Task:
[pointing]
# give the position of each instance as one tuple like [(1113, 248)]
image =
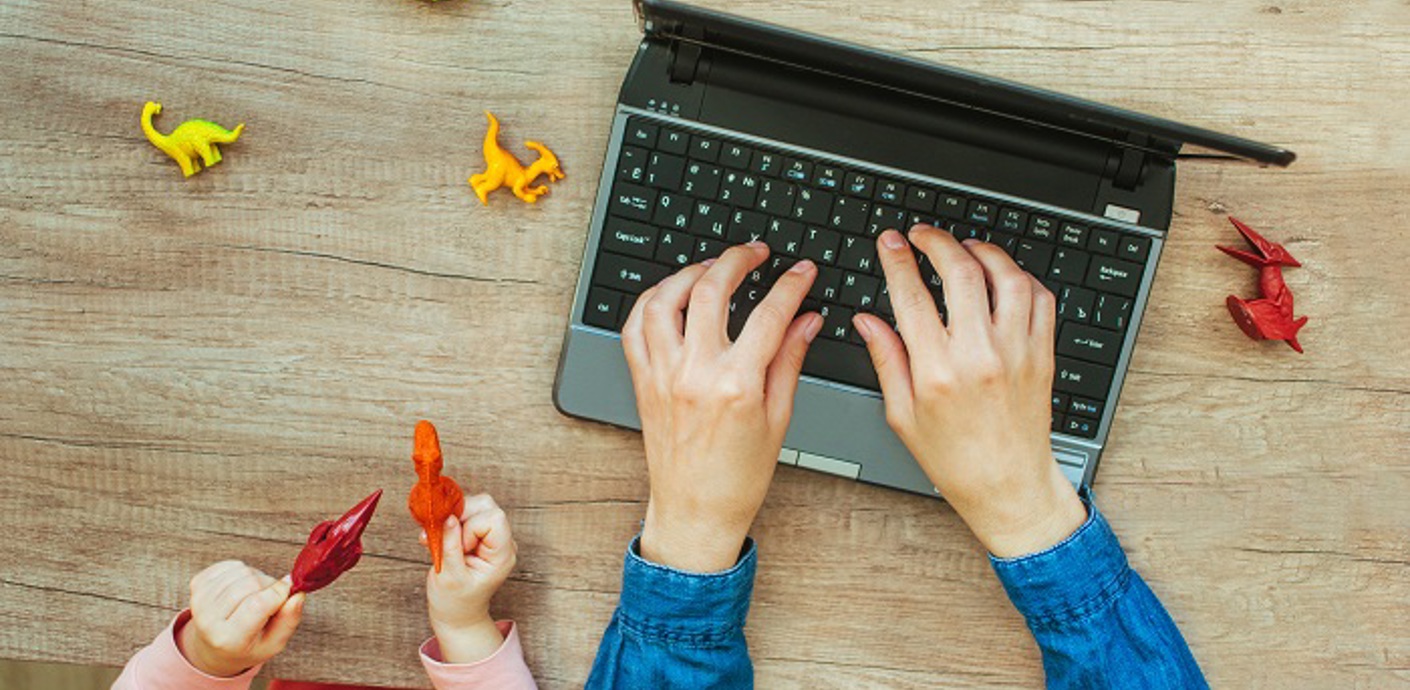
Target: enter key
[(1087, 343)]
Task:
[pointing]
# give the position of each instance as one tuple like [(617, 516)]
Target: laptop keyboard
[(680, 197)]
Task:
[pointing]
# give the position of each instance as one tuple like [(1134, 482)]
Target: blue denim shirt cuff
[(1071, 580), (675, 606)]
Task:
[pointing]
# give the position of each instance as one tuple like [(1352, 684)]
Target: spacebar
[(841, 362)]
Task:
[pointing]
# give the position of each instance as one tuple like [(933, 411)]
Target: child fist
[(478, 555), (240, 618)]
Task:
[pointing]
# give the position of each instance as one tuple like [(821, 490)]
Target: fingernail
[(970, 242), (814, 325), (708, 262), (918, 227), (862, 326), (756, 244), (801, 267), (451, 521), (893, 240)]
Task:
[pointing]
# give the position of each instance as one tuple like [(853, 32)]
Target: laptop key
[(1012, 220), (704, 149), (1086, 342), (920, 199), (811, 206), (632, 201), (859, 291), (747, 226), (885, 218), (1042, 228), (631, 166), (797, 170), (826, 284), (1075, 304), (981, 212), (1068, 265), (706, 248), (710, 220), (858, 254), (820, 245), (860, 184), (776, 197), (1133, 248), (629, 237), (952, 206), (766, 163), (1112, 312), (1103, 241), (1059, 402), (842, 362), (849, 215), (665, 171), (1081, 378), (785, 236), (1079, 426), (1033, 256), (1114, 275), (1085, 407), (890, 191), (828, 177), (603, 309), (672, 211), (674, 248), (1072, 235), (735, 156), (837, 322), (641, 133), (624, 273), (673, 141), (701, 180), (739, 189)]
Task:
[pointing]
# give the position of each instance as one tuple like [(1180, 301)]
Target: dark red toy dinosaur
[(1271, 316), (333, 548)]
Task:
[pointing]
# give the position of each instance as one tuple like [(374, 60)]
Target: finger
[(1010, 287), (966, 296), (209, 582), (916, 313), (709, 300), (764, 330), (781, 379), (634, 337), (214, 570), (483, 503), (282, 626), (892, 363), (491, 528), (452, 553), (1043, 322), (256, 609), (233, 588), (663, 322)]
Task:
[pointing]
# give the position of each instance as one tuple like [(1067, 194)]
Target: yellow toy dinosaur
[(191, 139), (504, 170)]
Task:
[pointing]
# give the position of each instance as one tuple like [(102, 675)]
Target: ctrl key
[(604, 308)]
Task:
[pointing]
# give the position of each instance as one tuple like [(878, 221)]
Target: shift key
[(1081, 378), (629, 275)]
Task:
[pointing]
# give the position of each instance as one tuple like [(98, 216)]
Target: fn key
[(604, 308)]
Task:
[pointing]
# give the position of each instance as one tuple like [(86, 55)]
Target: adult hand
[(240, 618), (713, 412), (479, 554), (971, 399)]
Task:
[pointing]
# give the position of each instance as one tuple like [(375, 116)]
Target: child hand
[(478, 557), (240, 618)]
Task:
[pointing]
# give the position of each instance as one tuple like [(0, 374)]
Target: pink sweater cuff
[(160, 666), (503, 670)]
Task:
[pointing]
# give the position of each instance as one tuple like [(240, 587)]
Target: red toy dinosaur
[(333, 548), (1271, 316), (433, 498)]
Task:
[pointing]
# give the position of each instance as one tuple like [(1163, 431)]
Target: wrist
[(201, 657), (1037, 520), (698, 545), (468, 643)]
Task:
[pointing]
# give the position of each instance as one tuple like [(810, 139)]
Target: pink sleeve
[(503, 670), (160, 666)]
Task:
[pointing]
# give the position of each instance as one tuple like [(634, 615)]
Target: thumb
[(254, 612), (282, 626), (452, 551), (891, 360), (781, 380)]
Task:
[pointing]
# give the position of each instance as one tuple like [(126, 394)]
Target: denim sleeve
[(675, 629), (1096, 621)]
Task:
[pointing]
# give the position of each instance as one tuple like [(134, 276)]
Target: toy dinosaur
[(333, 548), (191, 139), (1271, 316), (434, 498), (504, 170)]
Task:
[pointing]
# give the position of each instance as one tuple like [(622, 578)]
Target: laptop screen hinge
[(1131, 161), (685, 55)]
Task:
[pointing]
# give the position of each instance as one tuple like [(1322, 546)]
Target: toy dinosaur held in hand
[(1271, 316), (504, 170), (434, 498), (191, 139), (333, 547)]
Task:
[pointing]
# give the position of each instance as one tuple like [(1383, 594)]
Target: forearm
[(675, 629), (1095, 620), (160, 666), (503, 669)]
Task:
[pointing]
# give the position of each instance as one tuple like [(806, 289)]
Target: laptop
[(729, 130)]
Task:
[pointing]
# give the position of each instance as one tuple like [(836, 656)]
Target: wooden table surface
[(193, 370)]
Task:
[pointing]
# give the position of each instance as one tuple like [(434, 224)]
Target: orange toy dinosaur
[(504, 170), (433, 498)]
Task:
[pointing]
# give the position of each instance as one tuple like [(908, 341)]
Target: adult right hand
[(971, 399), (240, 618), (713, 412)]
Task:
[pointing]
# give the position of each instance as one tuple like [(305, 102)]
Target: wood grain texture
[(193, 370)]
